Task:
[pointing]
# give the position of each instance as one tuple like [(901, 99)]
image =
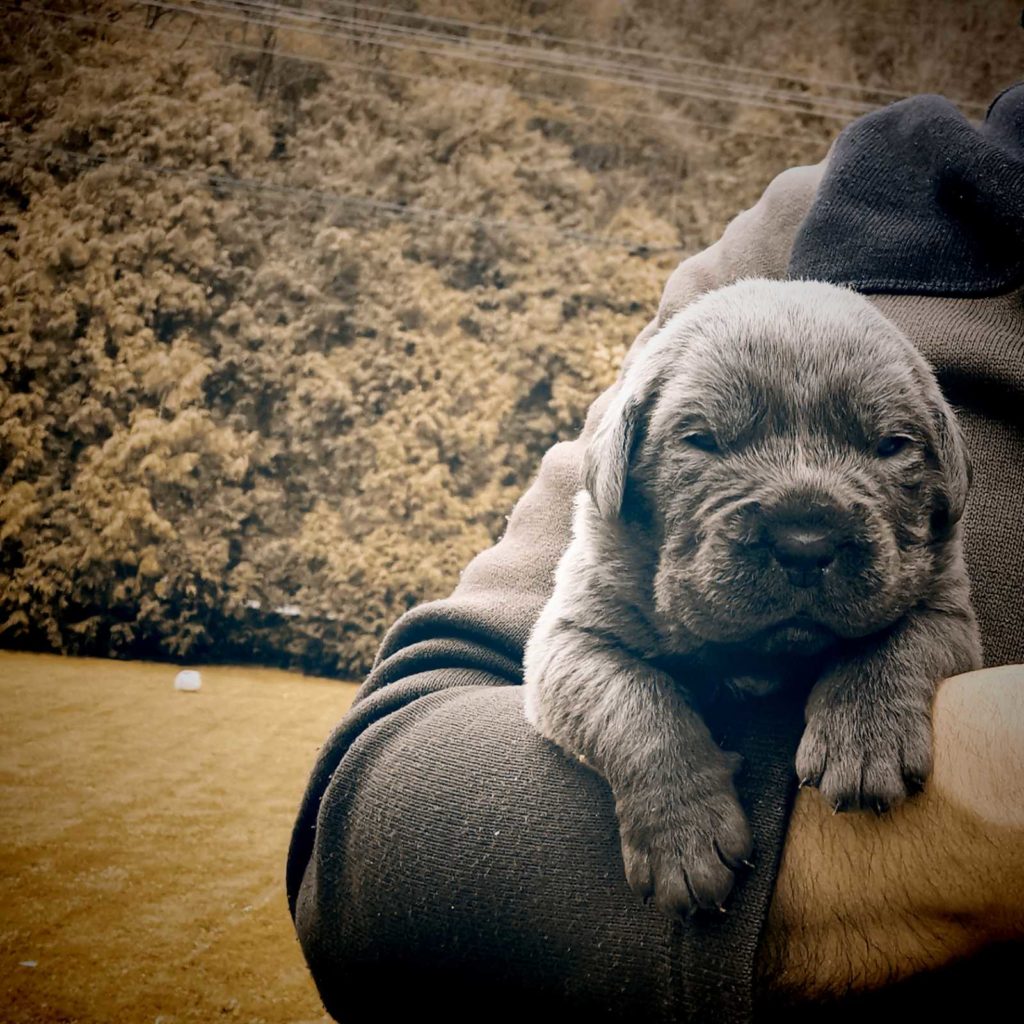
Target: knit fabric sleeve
[(444, 850)]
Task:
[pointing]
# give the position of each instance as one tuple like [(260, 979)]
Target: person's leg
[(864, 901)]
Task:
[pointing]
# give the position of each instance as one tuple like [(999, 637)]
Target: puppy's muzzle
[(804, 538)]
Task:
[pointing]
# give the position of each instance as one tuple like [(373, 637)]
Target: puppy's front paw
[(865, 757), (683, 855)]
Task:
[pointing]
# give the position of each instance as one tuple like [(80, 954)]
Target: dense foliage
[(240, 423)]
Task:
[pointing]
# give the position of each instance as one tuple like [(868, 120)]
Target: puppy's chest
[(714, 672)]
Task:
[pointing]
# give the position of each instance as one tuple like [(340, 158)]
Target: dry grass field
[(145, 830)]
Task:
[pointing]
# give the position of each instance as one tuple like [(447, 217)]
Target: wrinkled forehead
[(824, 367)]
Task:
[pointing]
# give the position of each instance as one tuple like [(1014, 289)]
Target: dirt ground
[(144, 839)]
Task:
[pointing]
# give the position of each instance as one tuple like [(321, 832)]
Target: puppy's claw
[(914, 782), (747, 863), (694, 905)]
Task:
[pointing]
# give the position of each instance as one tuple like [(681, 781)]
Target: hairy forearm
[(863, 900)]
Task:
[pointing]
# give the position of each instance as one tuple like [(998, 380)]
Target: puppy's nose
[(802, 548)]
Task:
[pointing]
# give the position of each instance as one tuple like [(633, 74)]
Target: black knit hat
[(919, 200)]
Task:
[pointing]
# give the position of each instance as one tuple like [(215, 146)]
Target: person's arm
[(443, 852)]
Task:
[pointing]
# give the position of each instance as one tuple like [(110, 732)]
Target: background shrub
[(244, 416)]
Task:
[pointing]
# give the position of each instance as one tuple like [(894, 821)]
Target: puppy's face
[(790, 456)]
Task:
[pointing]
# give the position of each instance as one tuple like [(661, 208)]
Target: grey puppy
[(772, 497)]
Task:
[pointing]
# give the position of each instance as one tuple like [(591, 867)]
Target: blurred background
[(295, 295)]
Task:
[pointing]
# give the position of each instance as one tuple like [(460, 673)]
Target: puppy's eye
[(702, 439), (892, 445)]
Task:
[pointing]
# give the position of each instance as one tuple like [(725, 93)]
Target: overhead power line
[(556, 61), (645, 53), (239, 13), (503, 91)]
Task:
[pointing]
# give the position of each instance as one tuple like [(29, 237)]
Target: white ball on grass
[(188, 679)]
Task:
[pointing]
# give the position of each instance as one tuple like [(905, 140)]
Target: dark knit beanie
[(918, 200)]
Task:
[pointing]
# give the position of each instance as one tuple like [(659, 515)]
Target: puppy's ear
[(955, 466), (608, 457)]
